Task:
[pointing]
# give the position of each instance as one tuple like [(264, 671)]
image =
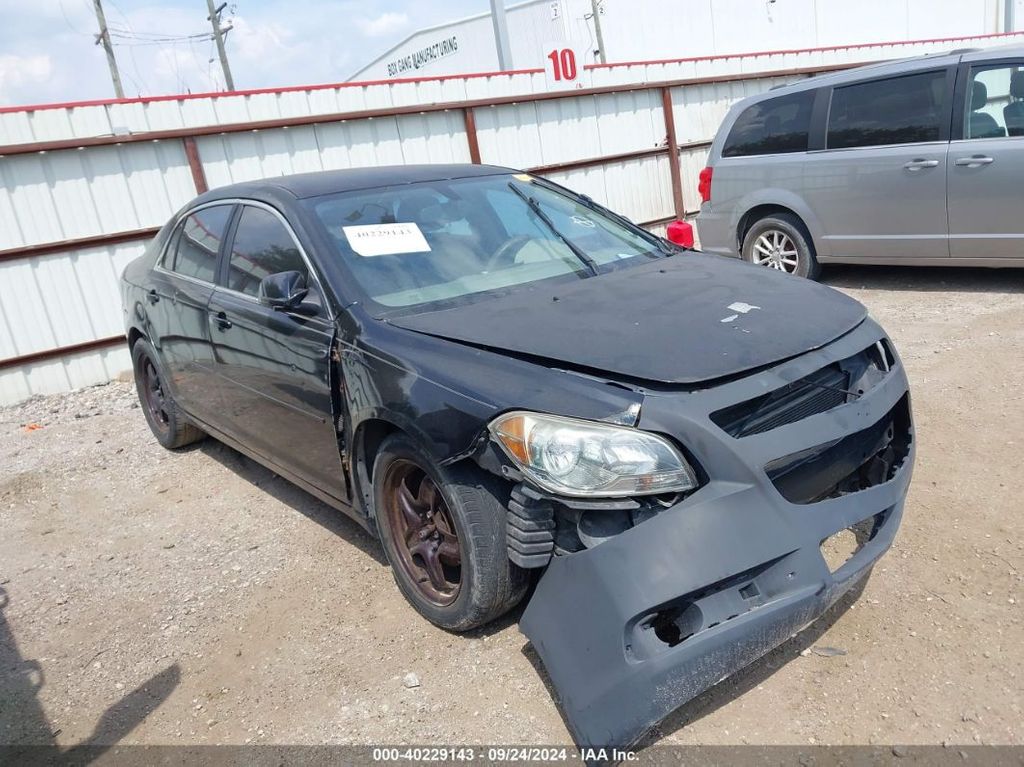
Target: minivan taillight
[(704, 185)]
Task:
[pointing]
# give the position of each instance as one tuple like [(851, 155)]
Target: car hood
[(685, 319)]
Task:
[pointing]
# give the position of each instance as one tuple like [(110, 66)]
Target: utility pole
[(219, 35), (103, 38), (595, 6), (501, 34)]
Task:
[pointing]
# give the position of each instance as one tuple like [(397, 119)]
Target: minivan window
[(262, 246), (994, 107), (897, 110), (198, 243), (773, 126)]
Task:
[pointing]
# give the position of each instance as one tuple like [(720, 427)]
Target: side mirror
[(680, 233), (284, 290)]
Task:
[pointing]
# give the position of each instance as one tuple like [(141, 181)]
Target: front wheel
[(443, 531), (781, 242)]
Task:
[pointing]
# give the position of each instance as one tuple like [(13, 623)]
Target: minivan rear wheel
[(781, 241)]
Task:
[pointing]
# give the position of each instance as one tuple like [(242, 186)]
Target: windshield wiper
[(669, 249), (535, 207)]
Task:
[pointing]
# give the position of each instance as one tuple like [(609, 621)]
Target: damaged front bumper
[(633, 628)]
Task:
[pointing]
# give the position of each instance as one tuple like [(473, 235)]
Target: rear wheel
[(781, 242), (168, 424), (443, 531)]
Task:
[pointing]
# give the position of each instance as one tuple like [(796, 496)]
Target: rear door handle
[(221, 318), (921, 163), (152, 296), (974, 161)]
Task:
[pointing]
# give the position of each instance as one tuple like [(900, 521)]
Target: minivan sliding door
[(986, 162), (878, 188)]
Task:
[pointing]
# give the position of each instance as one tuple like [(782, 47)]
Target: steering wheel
[(508, 250)]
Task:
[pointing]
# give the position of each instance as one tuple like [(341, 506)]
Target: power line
[(175, 41), (155, 37)]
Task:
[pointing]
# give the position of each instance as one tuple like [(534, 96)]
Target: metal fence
[(84, 186)]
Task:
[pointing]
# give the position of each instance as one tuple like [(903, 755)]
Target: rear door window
[(774, 126), (198, 243), (262, 246), (897, 110), (995, 102)]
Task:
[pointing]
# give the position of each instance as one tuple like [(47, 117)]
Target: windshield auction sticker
[(386, 239)]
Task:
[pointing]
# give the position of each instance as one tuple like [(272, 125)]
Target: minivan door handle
[(221, 318), (973, 161), (921, 163)]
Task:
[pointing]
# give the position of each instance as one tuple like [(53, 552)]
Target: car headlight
[(573, 457)]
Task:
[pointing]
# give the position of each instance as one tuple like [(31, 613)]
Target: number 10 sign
[(563, 67)]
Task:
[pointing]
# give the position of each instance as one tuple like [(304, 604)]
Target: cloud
[(19, 72), (48, 51), (386, 24)]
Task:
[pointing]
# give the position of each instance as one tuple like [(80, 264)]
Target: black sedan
[(502, 378)]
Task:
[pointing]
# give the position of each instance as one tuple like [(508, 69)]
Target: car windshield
[(420, 243)]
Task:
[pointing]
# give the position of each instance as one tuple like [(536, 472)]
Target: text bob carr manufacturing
[(424, 56)]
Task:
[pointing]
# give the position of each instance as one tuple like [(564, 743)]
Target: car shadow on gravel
[(293, 496), (26, 733), (732, 687), (943, 279)]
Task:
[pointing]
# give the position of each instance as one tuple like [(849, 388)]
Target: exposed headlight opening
[(573, 457)]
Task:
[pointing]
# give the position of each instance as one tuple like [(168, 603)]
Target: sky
[(48, 52)]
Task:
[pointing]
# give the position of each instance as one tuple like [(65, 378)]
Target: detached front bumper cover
[(635, 627)]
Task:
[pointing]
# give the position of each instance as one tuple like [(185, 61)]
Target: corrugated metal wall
[(59, 207)]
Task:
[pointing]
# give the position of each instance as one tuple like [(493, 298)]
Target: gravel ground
[(194, 597)]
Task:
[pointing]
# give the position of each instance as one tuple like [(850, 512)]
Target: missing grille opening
[(839, 548), (856, 462), (820, 391)]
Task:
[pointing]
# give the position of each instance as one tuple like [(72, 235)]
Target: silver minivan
[(918, 161)]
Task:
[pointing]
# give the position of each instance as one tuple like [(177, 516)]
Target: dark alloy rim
[(423, 532), (153, 393)]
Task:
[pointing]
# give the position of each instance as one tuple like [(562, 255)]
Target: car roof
[(895, 67), (305, 185)]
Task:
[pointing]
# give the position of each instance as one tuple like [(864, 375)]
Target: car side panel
[(887, 201), (181, 336), (740, 186), (985, 201), (274, 387)]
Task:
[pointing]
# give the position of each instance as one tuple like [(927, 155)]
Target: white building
[(642, 30)]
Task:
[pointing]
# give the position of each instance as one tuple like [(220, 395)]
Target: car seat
[(982, 124), (1013, 113)]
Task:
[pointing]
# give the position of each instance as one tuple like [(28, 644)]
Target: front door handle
[(973, 161), (921, 163), (222, 320)]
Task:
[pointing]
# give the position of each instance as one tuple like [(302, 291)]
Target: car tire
[(781, 241), (168, 423), (443, 509)]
